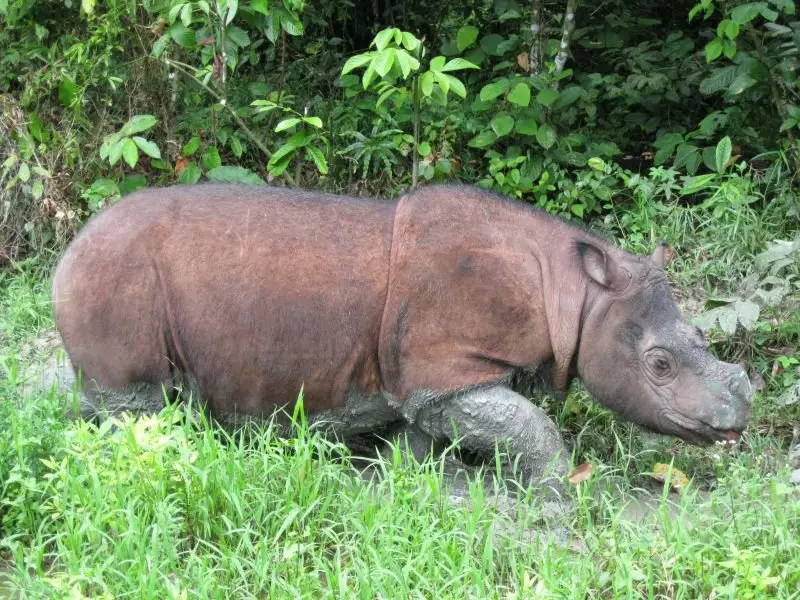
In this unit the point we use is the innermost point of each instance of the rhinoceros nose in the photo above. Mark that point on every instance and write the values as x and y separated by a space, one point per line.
739 385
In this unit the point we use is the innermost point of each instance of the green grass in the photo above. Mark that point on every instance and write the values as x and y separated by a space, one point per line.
171 507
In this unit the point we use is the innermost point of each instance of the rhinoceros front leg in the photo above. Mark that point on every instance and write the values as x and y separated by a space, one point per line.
483 419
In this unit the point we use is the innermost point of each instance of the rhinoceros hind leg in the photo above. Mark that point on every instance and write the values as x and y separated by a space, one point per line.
484 419
97 402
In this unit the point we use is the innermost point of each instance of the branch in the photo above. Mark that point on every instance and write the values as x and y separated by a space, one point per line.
569 25
183 68
535 55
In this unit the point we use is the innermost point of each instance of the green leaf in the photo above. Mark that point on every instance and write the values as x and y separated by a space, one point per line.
384 37
319 159
567 97
115 153
520 95
410 42
236 147
466 36
232 174
713 50
578 210
745 13
443 81
287 124
148 147
424 149
457 87
526 126
260 6
129 152
313 121
546 136
547 96
728 48
406 61
723 154
292 25
742 82
160 45
483 139
747 312
492 90
138 124
238 36
191 174
437 63
502 124
192 146
211 159
490 44
24 172
598 164
186 14
87 6
384 61
458 64
359 60
233 7
182 35
731 30
67 92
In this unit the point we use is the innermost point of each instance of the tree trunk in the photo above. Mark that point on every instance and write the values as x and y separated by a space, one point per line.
535 55
569 25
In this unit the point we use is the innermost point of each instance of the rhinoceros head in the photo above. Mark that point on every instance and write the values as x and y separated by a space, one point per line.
639 357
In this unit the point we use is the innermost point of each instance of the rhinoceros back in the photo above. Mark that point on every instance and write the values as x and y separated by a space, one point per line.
251 291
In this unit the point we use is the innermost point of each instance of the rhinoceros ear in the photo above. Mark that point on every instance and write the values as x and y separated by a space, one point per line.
600 266
661 254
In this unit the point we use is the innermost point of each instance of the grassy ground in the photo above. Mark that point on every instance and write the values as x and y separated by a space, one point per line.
170 507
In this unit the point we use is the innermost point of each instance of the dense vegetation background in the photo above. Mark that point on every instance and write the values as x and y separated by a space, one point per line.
644 119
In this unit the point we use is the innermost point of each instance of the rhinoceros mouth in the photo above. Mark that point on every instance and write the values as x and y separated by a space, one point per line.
700 432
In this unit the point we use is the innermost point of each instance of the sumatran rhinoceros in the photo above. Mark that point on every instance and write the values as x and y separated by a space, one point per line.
419 311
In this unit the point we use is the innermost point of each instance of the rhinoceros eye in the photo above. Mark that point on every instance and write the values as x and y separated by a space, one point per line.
660 364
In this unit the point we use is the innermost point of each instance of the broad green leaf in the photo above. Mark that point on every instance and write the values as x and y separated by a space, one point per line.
723 154
520 94
211 158
547 96
238 36
182 35
41 172
313 121
698 183
410 42
236 147
443 81
732 30
192 146
148 147
490 44
456 86
38 189
87 6
292 25
424 149
359 60
728 48
713 49
426 83
115 153
406 62
598 164
546 136
742 82
458 64
747 312
567 97
260 6
233 174
466 36
745 13
233 7
526 126
483 139
319 159
437 63
24 172
186 14
191 174
130 152
492 90
160 45
384 37
138 124
727 320
384 61
578 210
388 93
502 124
287 124
368 76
